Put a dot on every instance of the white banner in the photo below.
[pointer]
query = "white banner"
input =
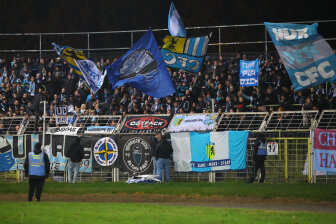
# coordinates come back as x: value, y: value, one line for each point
x: 99, y: 130
x: 63, y: 130
x: 193, y: 122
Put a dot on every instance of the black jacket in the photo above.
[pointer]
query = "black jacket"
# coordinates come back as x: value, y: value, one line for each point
x: 76, y: 152
x: 154, y: 143
x: 46, y: 162
x: 163, y: 150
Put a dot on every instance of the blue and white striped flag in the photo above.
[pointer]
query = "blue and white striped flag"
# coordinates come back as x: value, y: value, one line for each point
x: 91, y: 73
x: 207, y: 152
x: 308, y: 58
x: 175, y: 24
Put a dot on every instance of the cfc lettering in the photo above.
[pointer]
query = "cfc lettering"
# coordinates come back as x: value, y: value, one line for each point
x: 309, y: 76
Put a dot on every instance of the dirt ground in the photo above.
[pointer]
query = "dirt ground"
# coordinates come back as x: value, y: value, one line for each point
x: 195, y: 200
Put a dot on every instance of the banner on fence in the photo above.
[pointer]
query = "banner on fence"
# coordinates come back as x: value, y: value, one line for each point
x: 136, y: 154
x: 193, y: 122
x: 145, y: 123
x: 58, y: 151
x: 207, y: 152
x: 63, y: 130
x: 249, y: 73
x: 325, y: 150
x: 99, y: 130
x: 308, y: 58
x: 14, y: 149
x: 104, y: 152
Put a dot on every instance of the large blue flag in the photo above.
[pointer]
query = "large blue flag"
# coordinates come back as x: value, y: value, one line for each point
x: 143, y: 68
x: 308, y: 58
x: 175, y: 24
x: 249, y: 73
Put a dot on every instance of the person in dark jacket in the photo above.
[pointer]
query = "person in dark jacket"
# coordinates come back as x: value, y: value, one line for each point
x: 163, y: 153
x: 155, y: 140
x: 76, y: 154
x: 37, y: 167
x: 259, y: 157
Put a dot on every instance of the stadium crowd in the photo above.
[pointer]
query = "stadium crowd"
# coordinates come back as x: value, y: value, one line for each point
x: 25, y: 82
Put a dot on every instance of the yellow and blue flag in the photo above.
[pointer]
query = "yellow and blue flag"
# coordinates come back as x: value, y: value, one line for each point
x: 70, y: 55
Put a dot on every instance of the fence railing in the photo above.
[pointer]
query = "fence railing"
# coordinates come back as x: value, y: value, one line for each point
x: 91, y: 41
x: 288, y: 166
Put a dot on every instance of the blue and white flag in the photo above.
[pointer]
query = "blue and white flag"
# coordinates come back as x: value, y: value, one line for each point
x: 207, y: 152
x: 91, y: 73
x: 249, y: 73
x: 143, y: 68
x: 175, y: 24
x: 308, y: 58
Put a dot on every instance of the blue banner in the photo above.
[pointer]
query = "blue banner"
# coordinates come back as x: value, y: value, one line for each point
x: 211, y: 151
x: 143, y: 68
x: 249, y: 73
x: 308, y: 58
x: 175, y: 23
x: 182, y: 61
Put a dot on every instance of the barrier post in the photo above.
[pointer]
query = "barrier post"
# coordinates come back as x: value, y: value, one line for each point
x: 309, y: 159
x: 286, y: 161
x: 44, y: 117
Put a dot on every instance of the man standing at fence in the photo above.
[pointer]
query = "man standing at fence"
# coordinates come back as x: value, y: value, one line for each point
x: 163, y: 152
x: 259, y: 157
x: 37, y: 166
x: 155, y: 141
x: 76, y: 154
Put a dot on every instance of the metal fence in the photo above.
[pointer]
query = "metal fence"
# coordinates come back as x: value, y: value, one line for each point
x: 226, y: 40
x: 292, y: 164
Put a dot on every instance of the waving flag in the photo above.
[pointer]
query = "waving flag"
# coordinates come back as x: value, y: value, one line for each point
x: 175, y: 24
x: 143, y: 68
x: 69, y: 55
x: 207, y: 152
x: 185, y: 53
x: 308, y: 58
x: 91, y: 73
x: 85, y: 68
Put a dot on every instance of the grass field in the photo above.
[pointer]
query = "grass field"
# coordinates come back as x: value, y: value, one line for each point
x: 78, y: 212
x: 319, y: 192
x: 99, y: 212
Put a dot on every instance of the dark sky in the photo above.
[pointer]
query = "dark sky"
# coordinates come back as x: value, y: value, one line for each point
x: 100, y: 15
x: 104, y: 15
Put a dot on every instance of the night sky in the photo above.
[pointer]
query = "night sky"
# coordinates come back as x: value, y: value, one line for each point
x: 84, y: 15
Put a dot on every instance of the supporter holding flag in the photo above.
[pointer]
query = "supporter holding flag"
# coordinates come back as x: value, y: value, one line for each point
x: 143, y: 68
x: 175, y: 23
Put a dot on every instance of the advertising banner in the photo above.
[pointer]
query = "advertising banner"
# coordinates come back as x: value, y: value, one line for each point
x: 145, y: 123
x: 63, y: 130
x: 193, y: 122
x: 99, y: 130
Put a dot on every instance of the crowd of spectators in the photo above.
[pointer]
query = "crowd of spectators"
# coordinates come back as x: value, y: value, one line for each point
x: 25, y: 82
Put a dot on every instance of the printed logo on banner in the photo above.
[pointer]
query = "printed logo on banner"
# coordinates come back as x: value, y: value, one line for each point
x: 137, y: 155
x: 178, y: 120
x: 210, y: 150
x: 105, y: 151
x: 140, y: 123
x: 210, y: 119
